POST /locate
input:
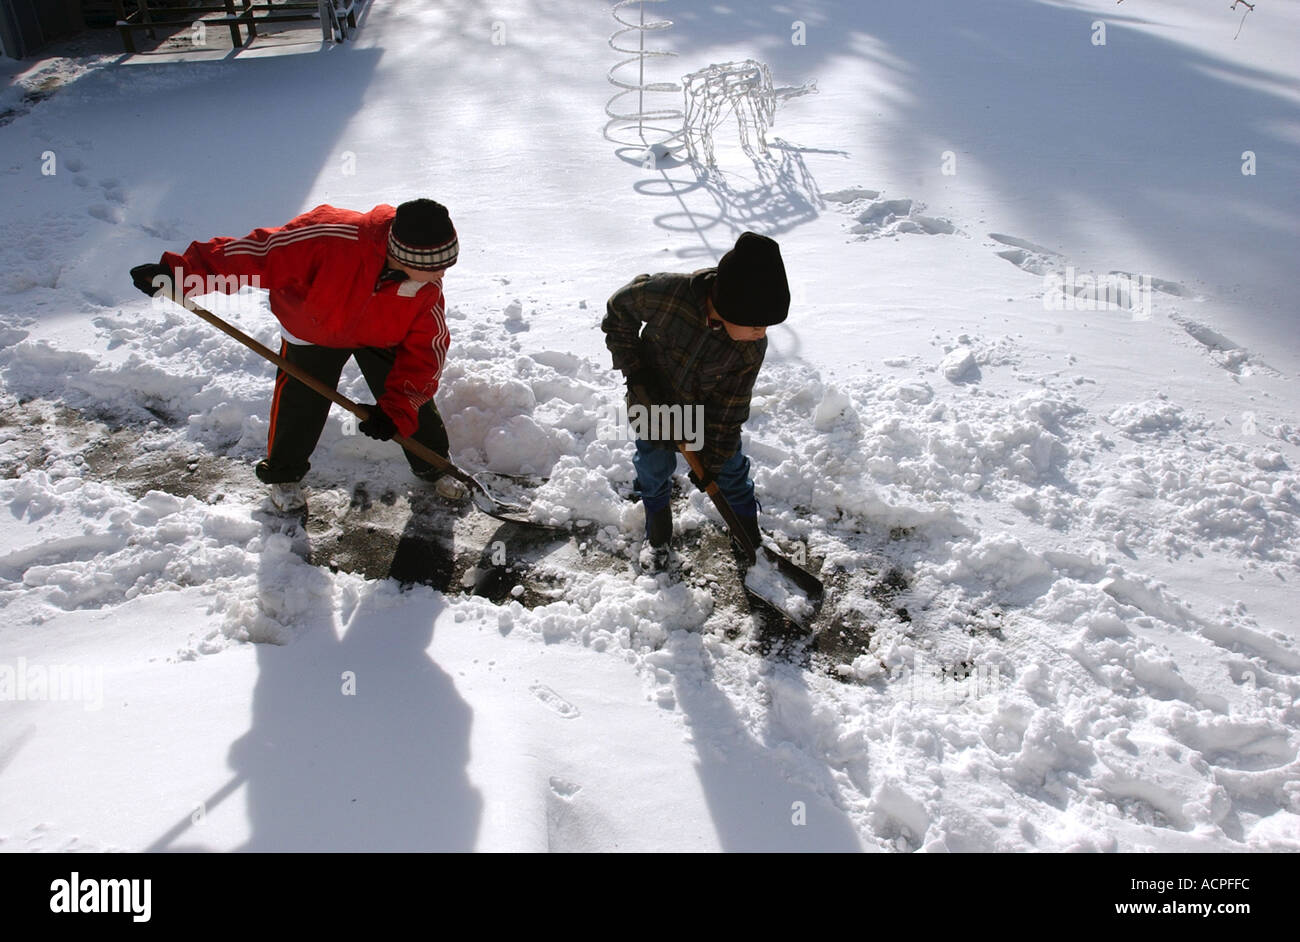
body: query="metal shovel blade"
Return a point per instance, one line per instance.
(504, 509)
(784, 585)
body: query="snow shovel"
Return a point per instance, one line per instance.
(776, 579)
(483, 498)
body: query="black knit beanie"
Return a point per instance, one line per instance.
(751, 289)
(422, 236)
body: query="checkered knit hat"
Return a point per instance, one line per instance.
(422, 236)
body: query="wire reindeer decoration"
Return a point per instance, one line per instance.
(744, 89)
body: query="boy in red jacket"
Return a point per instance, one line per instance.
(342, 284)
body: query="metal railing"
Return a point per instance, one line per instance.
(338, 18)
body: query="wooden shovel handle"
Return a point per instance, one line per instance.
(361, 412)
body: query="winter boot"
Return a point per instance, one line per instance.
(289, 498)
(750, 526)
(659, 527)
(448, 487)
(658, 537)
(748, 518)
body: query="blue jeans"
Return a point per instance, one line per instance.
(654, 475)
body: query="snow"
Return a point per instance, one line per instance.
(957, 364)
(1073, 530)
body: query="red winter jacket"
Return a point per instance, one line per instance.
(321, 271)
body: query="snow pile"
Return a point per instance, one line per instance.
(613, 614)
(957, 364)
(77, 544)
(1047, 678)
(167, 366)
(578, 493)
(1228, 498)
(917, 445)
(1152, 417)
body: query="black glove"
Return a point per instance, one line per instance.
(701, 480)
(648, 380)
(145, 277)
(378, 425)
(645, 387)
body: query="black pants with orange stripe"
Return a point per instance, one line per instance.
(298, 413)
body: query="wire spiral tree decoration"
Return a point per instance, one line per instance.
(652, 130)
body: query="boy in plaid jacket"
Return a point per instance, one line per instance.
(698, 340)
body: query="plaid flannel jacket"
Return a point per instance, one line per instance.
(660, 322)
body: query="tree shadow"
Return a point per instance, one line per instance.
(1130, 152)
(217, 155)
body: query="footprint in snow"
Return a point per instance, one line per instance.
(112, 190)
(553, 701)
(1224, 352)
(1040, 260)
(564, 789)
(876, 218)
(105, 212)
(1028, 256)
